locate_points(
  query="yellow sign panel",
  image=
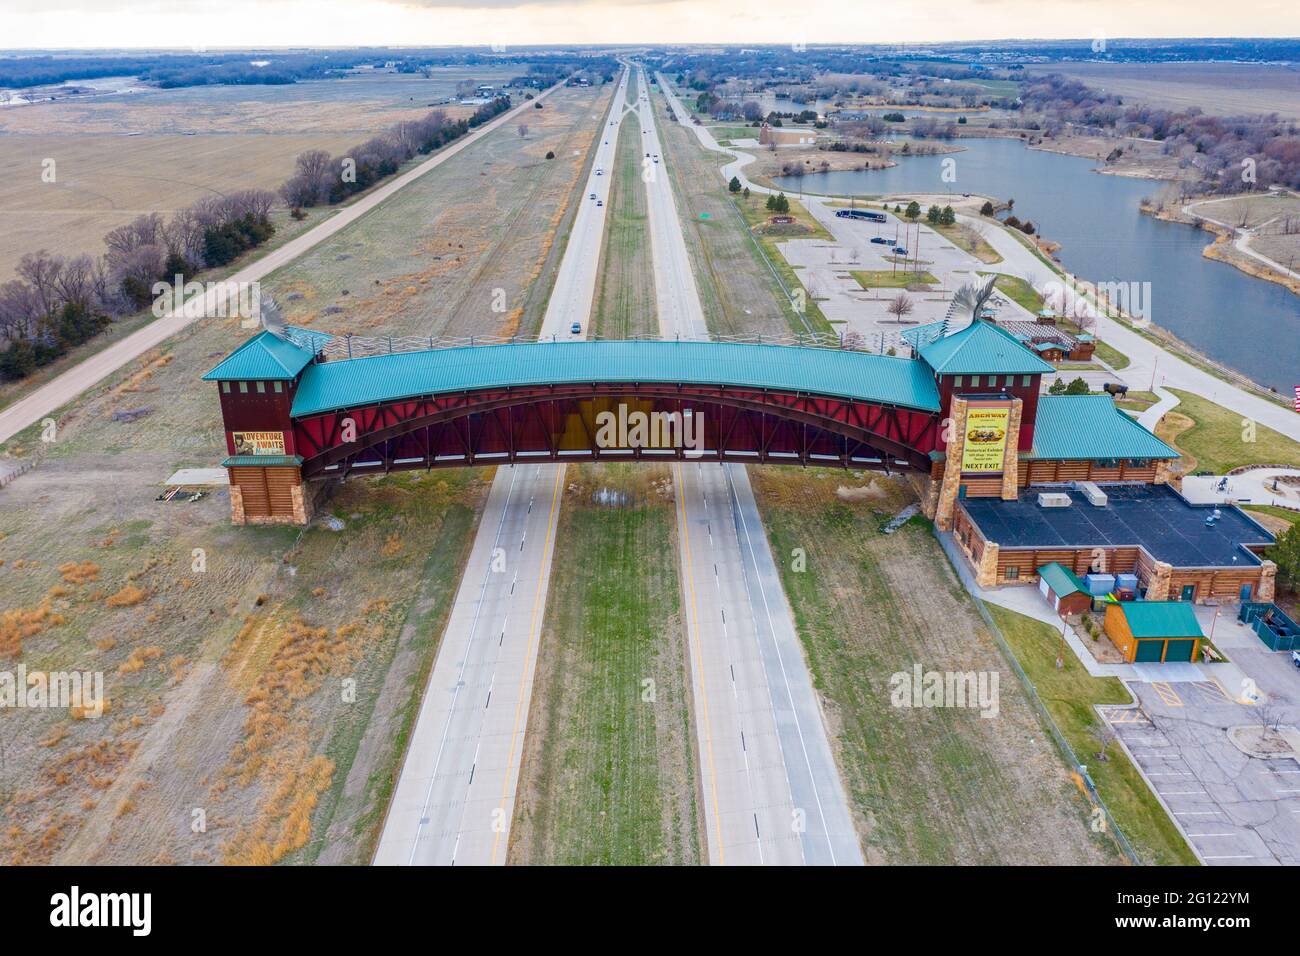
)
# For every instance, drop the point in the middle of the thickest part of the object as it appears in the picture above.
(258, 443)
(985, 447)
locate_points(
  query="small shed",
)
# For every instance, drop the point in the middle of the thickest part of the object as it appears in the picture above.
(1063, 589)
(1149, 632)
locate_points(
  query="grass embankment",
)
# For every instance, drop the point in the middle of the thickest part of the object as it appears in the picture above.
(1215, 439)
(968, 240)
(930, 785)
(608, 774)
(1018, 290)
(1069, 695)
(738, 290)
(756, 215)
(1283, 514)
(1137, 401)
(887, 279)
(625, 294)
(733, 132)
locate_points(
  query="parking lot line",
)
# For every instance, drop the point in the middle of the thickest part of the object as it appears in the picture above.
(1214, 690)
(1167, 693)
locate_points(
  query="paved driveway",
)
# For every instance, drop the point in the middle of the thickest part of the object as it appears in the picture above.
(1234, 809)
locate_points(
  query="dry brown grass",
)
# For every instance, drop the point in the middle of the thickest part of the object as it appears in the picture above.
(129, 596)
(18, 624)
(276, 752)
(139, 657)
(79, 572)
(1222, 88)
(106, 181)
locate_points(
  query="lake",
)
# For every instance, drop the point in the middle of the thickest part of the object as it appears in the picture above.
(1249, 324)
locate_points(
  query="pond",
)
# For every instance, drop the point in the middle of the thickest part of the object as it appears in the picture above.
(1249, 324)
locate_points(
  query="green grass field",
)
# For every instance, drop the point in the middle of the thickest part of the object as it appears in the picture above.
(625, 291)
(966, 238)
(1019, 291)
(888, 279)
(1290, 517)
(1069, 695)
(608, 774)
(1221, 440)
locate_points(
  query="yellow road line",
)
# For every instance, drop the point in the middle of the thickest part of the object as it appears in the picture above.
(699, 657)
(528, 652)
(1167, 693)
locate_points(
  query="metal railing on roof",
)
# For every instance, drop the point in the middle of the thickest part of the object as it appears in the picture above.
(332, 348)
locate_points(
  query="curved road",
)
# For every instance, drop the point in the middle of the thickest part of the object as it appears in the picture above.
(1150, 364)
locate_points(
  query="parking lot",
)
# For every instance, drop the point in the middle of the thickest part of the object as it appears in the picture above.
(1234, 808)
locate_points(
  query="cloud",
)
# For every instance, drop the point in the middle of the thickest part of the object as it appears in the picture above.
(515, 4)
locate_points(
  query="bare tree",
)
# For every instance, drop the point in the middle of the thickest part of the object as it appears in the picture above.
(1105, 735)
(900, 306)
(141, 231)
(1269, 719)
(41, 271)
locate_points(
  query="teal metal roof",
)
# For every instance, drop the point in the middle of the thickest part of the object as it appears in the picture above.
(845, 374)
(261, 461)
(1161, 618)
(1078, 427)
(982, 348)
(1061, 579)
(919, 336)
(265, 357)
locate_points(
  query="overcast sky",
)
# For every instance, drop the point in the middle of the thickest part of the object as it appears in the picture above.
(191, 24)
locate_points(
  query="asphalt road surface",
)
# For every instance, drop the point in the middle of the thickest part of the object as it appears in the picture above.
(455, 798)
(772, 792)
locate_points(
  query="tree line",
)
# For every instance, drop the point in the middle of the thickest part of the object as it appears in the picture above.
(57, 302)
(1219, 148)
(322, 179)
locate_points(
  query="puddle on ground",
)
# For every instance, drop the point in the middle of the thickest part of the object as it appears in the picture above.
(606, 498)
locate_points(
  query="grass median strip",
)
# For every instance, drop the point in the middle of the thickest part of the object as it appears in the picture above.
(608, 773)
(625, 292)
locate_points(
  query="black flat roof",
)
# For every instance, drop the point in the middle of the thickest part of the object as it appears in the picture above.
(1154, 517)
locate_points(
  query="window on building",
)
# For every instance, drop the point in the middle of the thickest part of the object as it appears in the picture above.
(1139, 463)
(243, 388)
(956, 382)
(974, 381)
(1108, 463)
(1012, 574)
(279, 386)
(1011, 380)
(1025, 380)
(225, 387)
(261, 388)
